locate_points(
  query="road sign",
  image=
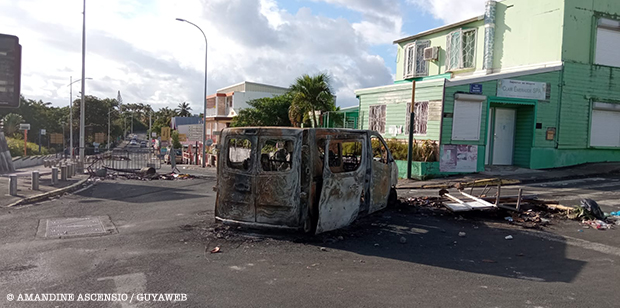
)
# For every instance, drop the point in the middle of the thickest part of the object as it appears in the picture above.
(43, 131)
(99, 137)
(10, 71)
(209, 142)
(194, 132)
(165, 133)
(153, 134)
(56, 138)
(24, 126)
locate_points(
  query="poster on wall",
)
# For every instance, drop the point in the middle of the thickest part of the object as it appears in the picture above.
(458, 158)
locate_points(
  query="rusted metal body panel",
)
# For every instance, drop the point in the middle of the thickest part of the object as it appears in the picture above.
(306, 181)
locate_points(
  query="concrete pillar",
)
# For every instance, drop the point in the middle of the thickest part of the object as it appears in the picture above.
(80, 167)
(13, 185)
(35, 180)
(63, 172)
(54, 176)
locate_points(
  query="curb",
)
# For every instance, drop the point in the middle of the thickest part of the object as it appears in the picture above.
(49, 194)
(494, 181)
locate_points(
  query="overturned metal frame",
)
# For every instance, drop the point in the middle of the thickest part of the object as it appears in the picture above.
(472, 202)
(321, 191)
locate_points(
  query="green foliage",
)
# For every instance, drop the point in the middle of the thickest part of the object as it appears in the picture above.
(310, 94)
(175, 140)
(16, 147)
(183, 110)
(267, 111)
(11, 124)
(424, 151)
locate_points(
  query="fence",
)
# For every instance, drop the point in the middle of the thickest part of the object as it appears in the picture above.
(126, 159)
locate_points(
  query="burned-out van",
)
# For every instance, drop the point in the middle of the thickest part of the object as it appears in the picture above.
(312, 179)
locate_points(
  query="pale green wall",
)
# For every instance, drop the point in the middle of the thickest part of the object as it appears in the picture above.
(528, 32)
(396, 97)
(579, 26)
(546, 114)
(439, 39)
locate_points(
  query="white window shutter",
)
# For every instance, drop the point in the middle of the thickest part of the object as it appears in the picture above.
(607, 47)
(605, 130)
(466, 120)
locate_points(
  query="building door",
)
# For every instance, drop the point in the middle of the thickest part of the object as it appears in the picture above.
(503, 136)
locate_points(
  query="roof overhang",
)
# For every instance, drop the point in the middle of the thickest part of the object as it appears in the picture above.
(442, 28)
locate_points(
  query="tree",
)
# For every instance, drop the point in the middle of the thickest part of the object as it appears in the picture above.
(175, 140)
(183, 110)
(11, 124)
(311, 94)
(267, 111)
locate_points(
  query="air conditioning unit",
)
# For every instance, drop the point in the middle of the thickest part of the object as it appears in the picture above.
(431, 53)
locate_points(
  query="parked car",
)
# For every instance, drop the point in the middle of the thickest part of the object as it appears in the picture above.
(133, 142)
(178, 157)
(312, 179)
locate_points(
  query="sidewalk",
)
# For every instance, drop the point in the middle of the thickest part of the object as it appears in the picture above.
(510, 175)
(24, 183)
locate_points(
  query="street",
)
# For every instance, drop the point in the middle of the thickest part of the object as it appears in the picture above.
(164, 232)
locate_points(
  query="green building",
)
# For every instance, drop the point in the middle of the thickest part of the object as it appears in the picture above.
(529, 83)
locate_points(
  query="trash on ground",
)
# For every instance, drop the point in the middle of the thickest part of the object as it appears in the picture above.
(597, 224)
(216, 249)
(592, 208)
(403, 240)
(509, 237)
(462, 234)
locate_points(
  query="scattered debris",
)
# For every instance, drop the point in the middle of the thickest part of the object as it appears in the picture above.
(489, 261)
(462, 234)
(597, 224)
(509, 237)
(592, 208)
(216, 249)
(323, 249)
(509, 219)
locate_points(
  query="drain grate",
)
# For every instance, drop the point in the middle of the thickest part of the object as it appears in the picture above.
(75, 227)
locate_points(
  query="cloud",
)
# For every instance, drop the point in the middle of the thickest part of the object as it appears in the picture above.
(451, 11)
(142, 51)
(381, 19)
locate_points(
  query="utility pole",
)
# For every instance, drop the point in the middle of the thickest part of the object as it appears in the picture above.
(109, 122)
(149, 133)
(70, 117)
(82, 112)
(132, 122)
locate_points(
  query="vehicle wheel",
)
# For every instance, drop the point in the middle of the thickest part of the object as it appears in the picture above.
(393, 197)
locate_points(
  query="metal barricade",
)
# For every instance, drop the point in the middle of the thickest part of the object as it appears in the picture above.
(130, 159)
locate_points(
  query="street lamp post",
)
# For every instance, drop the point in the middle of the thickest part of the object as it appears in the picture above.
(204, 96)
(82, 113)
(71, 82)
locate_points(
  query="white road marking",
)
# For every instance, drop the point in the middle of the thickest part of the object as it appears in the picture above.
(602, 248)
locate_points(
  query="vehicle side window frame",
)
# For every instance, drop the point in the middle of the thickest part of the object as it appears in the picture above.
(340, 141)
(251, 159)
(388, 158)
(261, 143)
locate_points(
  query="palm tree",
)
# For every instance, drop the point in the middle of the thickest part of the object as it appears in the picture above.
(11, 123)
(184, 109)
(311, 94)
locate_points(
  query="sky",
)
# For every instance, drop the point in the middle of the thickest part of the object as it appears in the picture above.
(138, 48)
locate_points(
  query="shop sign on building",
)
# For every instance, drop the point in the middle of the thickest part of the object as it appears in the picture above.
(522, 89)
